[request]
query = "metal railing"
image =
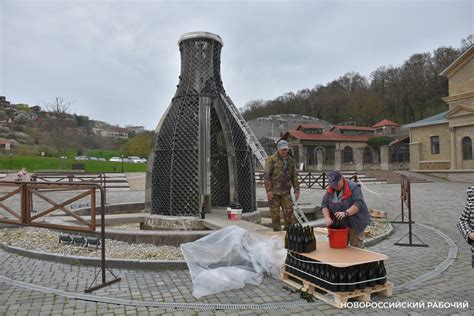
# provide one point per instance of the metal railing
(22, 213)
(71, 177)
(309, 179)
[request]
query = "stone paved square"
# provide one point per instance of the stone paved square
(436, 210)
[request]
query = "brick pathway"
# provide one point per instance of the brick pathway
(31, 287)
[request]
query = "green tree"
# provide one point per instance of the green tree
(403, 93)
(379, 141)
(140, 145)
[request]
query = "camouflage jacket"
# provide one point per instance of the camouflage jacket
(280, 174)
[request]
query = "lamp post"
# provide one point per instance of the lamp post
(122, 163)
(11, 155)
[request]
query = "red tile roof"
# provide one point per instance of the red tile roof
(328, 136)
(385, 122)
(352, 128)
(11, 142)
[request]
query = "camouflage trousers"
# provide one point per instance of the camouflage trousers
(286, 203)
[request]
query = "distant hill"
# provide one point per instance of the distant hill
(30, 130)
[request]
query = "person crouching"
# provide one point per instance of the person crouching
(343, 200)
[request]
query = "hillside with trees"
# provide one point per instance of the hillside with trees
(51, 130)
(405, 93)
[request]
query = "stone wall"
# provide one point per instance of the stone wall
(379, 163)
(423, 134)
(462, 80)
(371, 166)
(275, 125)
(399, 165)
(454, 176)
(460, 133)
(435, 165)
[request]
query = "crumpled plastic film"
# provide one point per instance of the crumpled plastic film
(230, 258)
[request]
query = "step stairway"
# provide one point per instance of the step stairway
(115, 181)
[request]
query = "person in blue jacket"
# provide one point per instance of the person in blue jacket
(343, 201)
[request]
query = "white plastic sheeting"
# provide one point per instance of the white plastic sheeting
(230, 258)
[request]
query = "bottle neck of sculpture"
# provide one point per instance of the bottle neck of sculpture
(200, 67)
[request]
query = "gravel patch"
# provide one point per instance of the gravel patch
(45, 240)
(376, 227)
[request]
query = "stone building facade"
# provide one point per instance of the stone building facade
(339, 148)
(277, 125)
(443, 143)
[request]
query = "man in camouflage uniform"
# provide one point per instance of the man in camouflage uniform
(280, 174)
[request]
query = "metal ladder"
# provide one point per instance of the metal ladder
(298, 213)
(303, 220)
(252, 141)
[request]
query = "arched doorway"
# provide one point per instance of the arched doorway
(347, 155)
(368, 155)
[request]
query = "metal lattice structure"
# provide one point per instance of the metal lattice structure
(200, 148)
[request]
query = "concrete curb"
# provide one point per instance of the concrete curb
(156, 265)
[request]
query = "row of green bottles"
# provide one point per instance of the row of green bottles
(336, 279)
(300, 239)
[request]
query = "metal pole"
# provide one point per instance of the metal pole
(122, 163)
(11, 161)
(204, 164)
(102, 237)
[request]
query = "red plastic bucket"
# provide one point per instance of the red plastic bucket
(338, 237)
(235, 215)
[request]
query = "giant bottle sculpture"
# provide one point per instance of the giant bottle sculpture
(201, 156)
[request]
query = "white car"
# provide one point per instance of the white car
(115, 159)
(136, 159)
(81, 158)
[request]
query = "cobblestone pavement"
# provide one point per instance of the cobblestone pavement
(31, 287)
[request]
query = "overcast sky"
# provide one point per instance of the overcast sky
(118, 61)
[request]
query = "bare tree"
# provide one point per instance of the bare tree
(58, 105)
(59, 125)
(467, 42)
